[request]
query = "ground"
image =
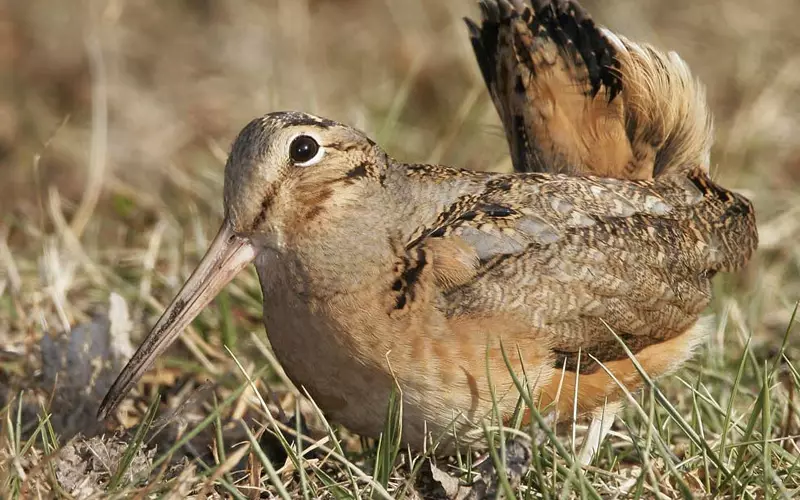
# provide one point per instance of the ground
(115, 119)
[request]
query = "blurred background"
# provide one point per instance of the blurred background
(171, 84)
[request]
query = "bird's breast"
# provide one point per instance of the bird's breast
(322, 343)
(348, 349)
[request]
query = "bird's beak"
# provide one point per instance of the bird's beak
(227, 255)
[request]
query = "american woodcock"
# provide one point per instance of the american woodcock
(376, 272)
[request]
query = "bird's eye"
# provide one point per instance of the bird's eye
(305, 150)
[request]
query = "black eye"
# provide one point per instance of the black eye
(303, 149)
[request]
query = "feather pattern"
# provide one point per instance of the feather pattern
(576, 98)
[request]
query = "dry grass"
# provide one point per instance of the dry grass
(115, 118)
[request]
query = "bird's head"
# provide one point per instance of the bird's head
(288, 169)
(287, 173)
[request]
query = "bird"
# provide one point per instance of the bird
(440, 281)
(576, 98)
(376, 272)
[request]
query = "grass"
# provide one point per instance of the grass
(114, 123)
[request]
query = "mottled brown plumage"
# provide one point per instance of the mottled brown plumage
(376, 272)
(576, 98)
(372, 268)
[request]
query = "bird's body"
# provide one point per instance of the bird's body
(418, 273)
(376, 272)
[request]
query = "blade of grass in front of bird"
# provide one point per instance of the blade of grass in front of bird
(50, 446)
(729, 411)
(334, 488)
(697, 421)
(518, 414)
(265, 461)
(499, 461)
(499, 464)
(208, 420)
(287, 447)
(575, 401)
(298, 422)
(563, 452)
(220, 439)
(766, 431)
(135, 445)
(227, 326)
(648, 448)
(661, 445)
(665, 403)
(519, 411)
(389, 441)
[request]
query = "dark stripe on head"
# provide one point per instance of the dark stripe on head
(297, 118)
(266, 203)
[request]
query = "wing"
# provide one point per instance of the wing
(570, 253)
(575, 98)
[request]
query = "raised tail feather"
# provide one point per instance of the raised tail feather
(575, 98)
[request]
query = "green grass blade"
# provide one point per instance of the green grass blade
(389, 441)
(135, 445)
(265, 461)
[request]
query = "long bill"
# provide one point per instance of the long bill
(227, 255)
